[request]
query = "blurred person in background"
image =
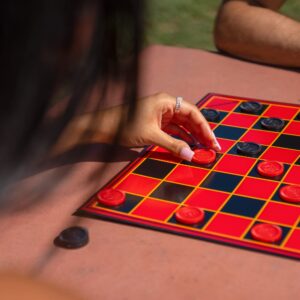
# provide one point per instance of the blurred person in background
(256, 30)
(77, 46)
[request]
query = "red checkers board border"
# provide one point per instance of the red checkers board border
(234, 197)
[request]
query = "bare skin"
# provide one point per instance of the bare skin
(155, 118)
(255, 30)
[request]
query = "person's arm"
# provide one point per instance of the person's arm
(255, 30)
(155, 117)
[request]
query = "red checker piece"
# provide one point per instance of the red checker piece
(111, 197)
(268, 233)
(270, 168)
(189, 215)
(204, 156)
(290, 193)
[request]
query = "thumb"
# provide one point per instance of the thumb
(177, 147)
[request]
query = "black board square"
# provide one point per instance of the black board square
(172, 192)
(285, 231)
(154, 168)
(221, 181)
(243, 206)
(288, 141)
(130, 202)
(229, 132)
(207, 217)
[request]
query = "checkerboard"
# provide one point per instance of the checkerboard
(234, 196)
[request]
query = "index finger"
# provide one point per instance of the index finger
(191, 118)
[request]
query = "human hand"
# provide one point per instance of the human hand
(156, 117)
(154, 120)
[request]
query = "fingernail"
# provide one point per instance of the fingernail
(216, 143)
(186, 153)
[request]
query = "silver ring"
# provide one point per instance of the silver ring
(178, 104)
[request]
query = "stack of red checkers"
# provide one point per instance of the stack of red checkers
(111, 197)
(290, 193)
(268, 233)
(204, 156)
(189, 215)
(270, 168)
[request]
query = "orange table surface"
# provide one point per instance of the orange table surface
(125, 262)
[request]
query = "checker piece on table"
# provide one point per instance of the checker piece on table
(72, 238)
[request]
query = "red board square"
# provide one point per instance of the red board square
(280, 213)
(207, 199)
(222, 103)
(282, 112)
(225, 144)
(241, 120)
(163, 154)
(257, 188)
(293, 128)
(187, 175)
(230, 225)
(138, 184)
(281, 154)
(293, 176)
(212, 125)
(155, 209)
(235, 164)
(294, 240)
(259, 136)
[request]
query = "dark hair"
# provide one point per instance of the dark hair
(38, 42)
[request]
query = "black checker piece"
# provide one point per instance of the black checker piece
(211, 115)
(154, 168)
(251, 107)
(172, 192)
(72, 238)
(249, 149)
(243, 206)
(275, 124)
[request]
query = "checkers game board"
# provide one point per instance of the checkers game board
(232, 194)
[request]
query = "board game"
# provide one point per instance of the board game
(231, 193)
